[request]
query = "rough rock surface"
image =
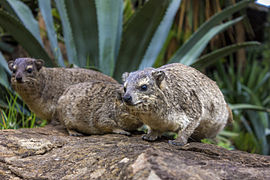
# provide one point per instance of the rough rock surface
(48, 153)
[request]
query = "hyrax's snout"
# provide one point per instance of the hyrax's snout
(19, 77)
(127, 99)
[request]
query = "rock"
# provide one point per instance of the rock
(49, 153)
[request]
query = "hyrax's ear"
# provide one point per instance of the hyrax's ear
(158, 76)
(125, 76)
(10, 65)
(39, 63)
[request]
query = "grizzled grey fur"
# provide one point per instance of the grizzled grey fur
(95, 108)
(176, 98)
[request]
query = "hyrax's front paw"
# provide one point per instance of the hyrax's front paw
(122, 132)
(180, 141)
(176, 143)
(149, 137)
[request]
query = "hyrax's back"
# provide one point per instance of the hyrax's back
(61, 78)
(198, 96)
(56, 80)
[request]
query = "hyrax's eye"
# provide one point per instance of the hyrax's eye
(14, 68)
(29, 70)
(143, 87)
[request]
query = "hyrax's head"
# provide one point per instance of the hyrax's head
(24, 70)
(143, 89)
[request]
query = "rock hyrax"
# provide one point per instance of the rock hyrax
(41, 87)
(176, 98)
(95, 108)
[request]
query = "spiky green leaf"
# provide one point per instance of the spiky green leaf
(206, 27)
(109, 17)
(82, 17)
(24, 37)
(4, 63)
(194, 52)
(212, 57)
(138, 34)
(160, 36)
(23, 12)
(68, 36)
(3, 77)
(45, 8)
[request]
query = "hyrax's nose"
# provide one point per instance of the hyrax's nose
(127, 98)
(19, 78)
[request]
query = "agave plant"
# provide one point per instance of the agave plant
(94, 34)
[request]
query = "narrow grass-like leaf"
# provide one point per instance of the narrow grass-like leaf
(24, 37)
(68, 36)
(267, 100)
(195, 51)
(265, 80)
(249, 107)
(259, 130)
(228, 133)
(206, 27)
(246, 124)
(224, 77)
(254, 98)
(45, 8)
(3, 116)
(138, 34)
(252, 76)
(83, 22)
(160, 36)
(110, 17)
(212, 57)
(25, 15)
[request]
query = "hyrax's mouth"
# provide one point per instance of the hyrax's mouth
(14, 80)
(133, 104)
(23, 81)
(18, 81)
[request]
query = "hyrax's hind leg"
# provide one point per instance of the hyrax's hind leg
(184, 134)
(108, 125)
(72, 132)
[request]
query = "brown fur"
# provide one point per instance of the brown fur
(41, 88)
